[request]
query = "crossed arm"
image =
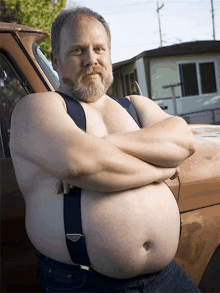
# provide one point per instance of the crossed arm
(42, 132)
(164, 140)
(163, 143)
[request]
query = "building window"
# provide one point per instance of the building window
(188, 79)
(207, 75)
(130, 85)
(127, 85)
(197, 78)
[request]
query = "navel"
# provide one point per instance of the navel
(147, 245)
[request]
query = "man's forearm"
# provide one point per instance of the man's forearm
(108, 181)
(110, 169)
(166, 144)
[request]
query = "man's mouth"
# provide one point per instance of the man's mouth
(92, 75)
(93, 71)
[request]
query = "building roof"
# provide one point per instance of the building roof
(197, 47)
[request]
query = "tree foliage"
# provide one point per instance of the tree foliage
(36, 13)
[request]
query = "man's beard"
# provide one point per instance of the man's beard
(89, 91)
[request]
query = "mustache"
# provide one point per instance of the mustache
(94, 70)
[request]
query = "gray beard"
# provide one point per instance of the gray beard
(88, 92)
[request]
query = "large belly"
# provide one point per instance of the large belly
(131, 232)
(127, 233)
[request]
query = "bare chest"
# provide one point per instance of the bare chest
(111, 118)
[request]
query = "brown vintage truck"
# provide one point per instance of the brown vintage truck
(23, 70)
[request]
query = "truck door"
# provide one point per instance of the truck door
(18, 255)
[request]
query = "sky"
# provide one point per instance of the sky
(134, 24)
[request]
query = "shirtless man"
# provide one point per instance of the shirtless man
(130, 218)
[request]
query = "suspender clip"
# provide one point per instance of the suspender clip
(74, 237)
(85, 268)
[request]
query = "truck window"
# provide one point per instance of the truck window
(11, 91)
(46, 66)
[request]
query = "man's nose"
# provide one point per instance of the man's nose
(90, 58)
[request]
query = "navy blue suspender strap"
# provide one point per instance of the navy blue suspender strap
(75, 238)
(127, 104)
(75, 111)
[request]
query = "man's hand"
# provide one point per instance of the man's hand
(173, 173)
(63, 187)
(176, 174)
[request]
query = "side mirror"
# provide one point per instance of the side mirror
(135, 88)
(138, 88)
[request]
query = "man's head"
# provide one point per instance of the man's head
(81, 53)
(71, 13)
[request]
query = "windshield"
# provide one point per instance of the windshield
(46, 66)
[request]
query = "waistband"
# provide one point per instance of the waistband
(59, 265)
(75, 268)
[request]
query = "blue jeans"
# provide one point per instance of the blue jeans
(58, 277)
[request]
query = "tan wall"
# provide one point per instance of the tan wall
(142, 74)
(117, 85)
(117, 89)
(164, 71)
(218, 62)
(128, 68)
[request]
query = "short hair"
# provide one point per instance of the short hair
(70, 13)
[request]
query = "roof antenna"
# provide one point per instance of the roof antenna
(158, 11)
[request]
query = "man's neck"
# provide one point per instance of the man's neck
(98, 103)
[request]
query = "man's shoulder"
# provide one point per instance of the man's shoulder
(141, 101)
(41, 95)
(136, 97)
(37, 98)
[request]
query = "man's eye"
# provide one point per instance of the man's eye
(98, 49)
(76, 51)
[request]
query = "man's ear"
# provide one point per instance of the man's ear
(54, 61)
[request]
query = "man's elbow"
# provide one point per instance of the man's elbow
(192, 146)
(187, 139)
(186, 143)
(190, 142)
(188, 148)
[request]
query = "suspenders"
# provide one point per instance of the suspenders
(75, 238)
(127, 104)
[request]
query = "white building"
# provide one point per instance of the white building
(196, 65)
